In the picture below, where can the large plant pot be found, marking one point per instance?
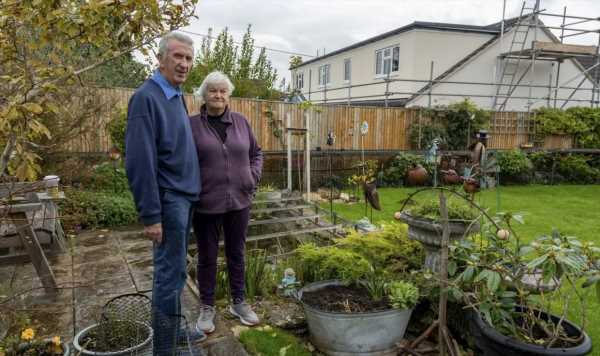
(79, 345)
(492, 343)
(346, 334)
(429, 233)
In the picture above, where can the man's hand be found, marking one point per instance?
(154, 232)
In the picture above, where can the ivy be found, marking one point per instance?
(455, 124)
(583, 124)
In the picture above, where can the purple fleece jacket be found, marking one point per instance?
(230, 170)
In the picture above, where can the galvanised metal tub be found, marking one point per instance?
(351, 334)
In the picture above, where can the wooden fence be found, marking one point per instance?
(388, 127)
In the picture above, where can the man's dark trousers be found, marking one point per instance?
(170, 258)
(207, 229)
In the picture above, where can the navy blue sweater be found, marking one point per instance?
(160, 153)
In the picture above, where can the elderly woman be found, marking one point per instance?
(230, 168)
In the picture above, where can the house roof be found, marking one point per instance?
(489, 29)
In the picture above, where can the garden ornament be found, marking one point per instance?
(417, 175)
(371, 195)
(330, 138)
(289, 283)
(432, 154)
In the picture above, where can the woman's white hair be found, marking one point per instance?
(214, 78)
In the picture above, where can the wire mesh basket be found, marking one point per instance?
(128, 325)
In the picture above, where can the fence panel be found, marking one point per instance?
(388, 127)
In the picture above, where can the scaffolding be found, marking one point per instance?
(513, 66)
(511, 73)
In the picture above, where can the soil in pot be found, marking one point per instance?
(115, 337)
(344, 299)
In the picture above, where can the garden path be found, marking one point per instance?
(99, 265)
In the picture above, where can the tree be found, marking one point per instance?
(251, 80)
(122, 72)
(295, 61)
(38, 74)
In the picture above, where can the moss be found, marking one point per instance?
(457, 209)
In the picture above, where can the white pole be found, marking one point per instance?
(307, 163)
(288, 123)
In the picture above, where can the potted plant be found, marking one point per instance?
(358, 317)
(509, 314)
(357, 302)
(423, 220)
(268, 192)
(28, 344)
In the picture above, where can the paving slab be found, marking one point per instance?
(99, 266)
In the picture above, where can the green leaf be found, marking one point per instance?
(591, 280)
(493, 281)
(452, 268)
(467, 275)
(33, 108)
(525, 250)
(518, 218)
(536, 262)
(482, 275)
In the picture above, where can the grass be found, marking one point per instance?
(572, 209)
(267, 341)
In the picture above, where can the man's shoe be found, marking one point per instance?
(206, 319)
(244, 311)
(193, 335)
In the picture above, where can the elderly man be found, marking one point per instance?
(163, 172)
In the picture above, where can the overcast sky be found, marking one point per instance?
(305, 26)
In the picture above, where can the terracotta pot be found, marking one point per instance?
(417, 175)
(450, 177)
(471, 185)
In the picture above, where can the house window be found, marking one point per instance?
(324, 77)
(387, 60)
(300, 80)
(347, 68)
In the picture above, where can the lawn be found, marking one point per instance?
(572, 209)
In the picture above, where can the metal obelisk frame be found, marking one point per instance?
(306, 132)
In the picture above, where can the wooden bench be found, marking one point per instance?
(29, 222)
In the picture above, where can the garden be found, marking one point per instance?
(420, 236)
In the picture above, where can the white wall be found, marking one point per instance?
(481, 69)
(417, 49)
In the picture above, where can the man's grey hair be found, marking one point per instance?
(163, 45)
(214, 78)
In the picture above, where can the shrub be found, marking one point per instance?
(86, 209)
(581, 122)
(541, 161)
(397, 169)
(385, 252)
(463, 119)
(589, 135)
(388, 249)
(575, 169)
(514, 166)
(427, 133)
(454, 124)
(108, 176)
(116, 129)
(330, 262)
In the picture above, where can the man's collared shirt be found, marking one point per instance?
(167, 88)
